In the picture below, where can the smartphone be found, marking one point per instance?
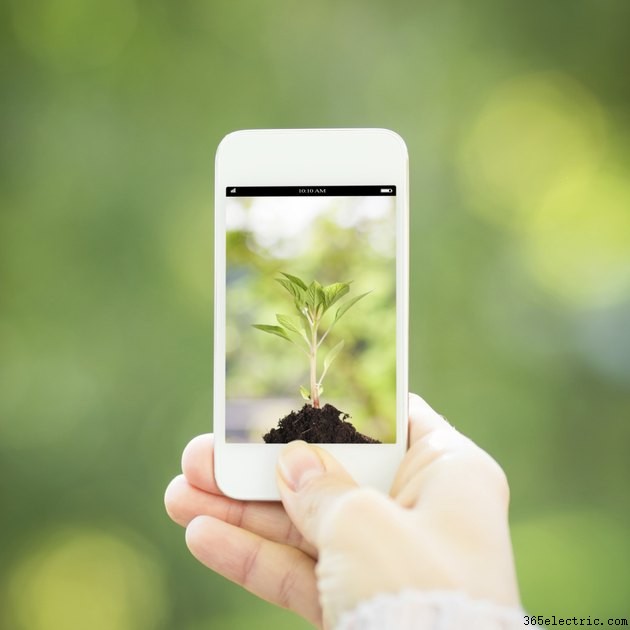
(311, 303)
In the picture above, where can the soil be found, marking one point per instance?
(327, 425)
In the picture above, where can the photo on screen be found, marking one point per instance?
(311, 318)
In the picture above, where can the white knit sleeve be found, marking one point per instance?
(431, 610)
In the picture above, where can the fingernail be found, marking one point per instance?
(298, 464)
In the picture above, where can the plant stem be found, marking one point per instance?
(313, 358)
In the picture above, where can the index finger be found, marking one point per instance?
(197, 493)
(198, 463)
(429, 435)
(423, 419)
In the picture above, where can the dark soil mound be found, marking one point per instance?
(319, 426)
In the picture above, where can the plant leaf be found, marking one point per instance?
(316, 290)
(334, 292)
(293, 289)
(274, 330)
(332, 355)
(295, 325)
(328, 360)
(314, 296)
(289, 323)
(295, 280)
(343, 309)
(305, 393)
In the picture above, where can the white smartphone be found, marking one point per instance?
(311, 303)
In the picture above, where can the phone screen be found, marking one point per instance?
(310, 324)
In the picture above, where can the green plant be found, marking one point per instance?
(311, 303)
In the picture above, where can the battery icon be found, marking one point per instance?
(387, 190)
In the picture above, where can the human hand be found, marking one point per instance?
(331, 544)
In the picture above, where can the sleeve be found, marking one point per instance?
(432, 610)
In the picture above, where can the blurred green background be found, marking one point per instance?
(517, 119)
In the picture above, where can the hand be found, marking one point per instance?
(331, 544)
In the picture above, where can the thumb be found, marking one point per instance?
(343, 522)
(311, 481)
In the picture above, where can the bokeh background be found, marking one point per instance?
(328, 239)
(517, 119)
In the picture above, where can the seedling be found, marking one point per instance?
(307, 331)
